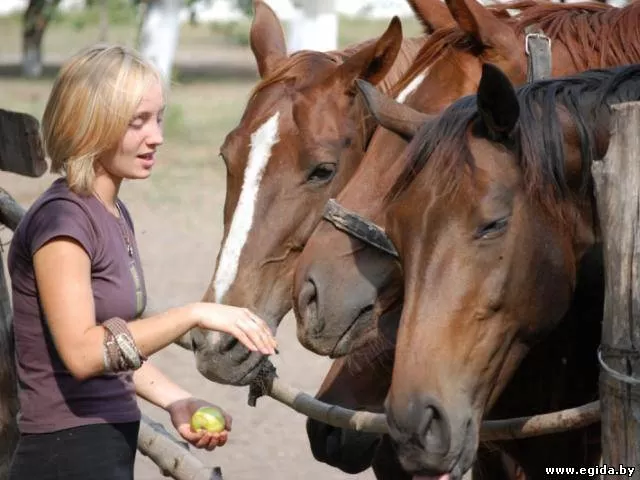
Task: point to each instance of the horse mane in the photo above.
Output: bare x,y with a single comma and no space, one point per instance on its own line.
443,40
538,140
595,34
298,66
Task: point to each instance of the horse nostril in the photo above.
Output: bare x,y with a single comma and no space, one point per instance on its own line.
308,305
425,424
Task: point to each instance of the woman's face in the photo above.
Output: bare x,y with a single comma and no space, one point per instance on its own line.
136,153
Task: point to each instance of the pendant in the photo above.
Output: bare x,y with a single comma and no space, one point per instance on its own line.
130,250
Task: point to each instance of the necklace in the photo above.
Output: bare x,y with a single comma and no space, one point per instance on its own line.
125,231
121,223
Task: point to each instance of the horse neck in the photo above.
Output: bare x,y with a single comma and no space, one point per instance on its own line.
592,115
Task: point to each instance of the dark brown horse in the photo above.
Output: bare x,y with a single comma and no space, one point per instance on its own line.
300,139
342,285
492,218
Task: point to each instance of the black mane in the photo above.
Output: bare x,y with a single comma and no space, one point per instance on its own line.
538,138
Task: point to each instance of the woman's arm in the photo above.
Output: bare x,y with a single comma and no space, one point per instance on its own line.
63,277
152,385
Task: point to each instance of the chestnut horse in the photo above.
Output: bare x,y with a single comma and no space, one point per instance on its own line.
300,139
491,218
558,23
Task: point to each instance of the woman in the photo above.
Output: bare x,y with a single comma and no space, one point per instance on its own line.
78,287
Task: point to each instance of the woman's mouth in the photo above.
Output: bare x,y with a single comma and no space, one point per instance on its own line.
148,159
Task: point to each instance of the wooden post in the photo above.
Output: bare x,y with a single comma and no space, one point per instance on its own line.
617,187
8,384
21,150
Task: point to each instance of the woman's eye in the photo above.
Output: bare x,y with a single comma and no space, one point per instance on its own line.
136,123
493,229
322,172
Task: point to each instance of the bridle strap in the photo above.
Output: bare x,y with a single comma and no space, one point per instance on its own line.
358,227
537,46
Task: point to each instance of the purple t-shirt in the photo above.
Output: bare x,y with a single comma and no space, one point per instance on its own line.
50,398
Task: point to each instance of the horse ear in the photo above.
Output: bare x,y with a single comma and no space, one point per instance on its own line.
394,116
497,102
432,14
266,38
483,25
374,61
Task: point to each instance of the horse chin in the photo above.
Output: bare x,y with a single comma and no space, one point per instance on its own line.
357,335
423,466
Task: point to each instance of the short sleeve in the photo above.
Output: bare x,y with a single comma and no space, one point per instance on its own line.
61,218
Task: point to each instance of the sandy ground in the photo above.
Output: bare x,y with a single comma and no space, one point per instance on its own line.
179,242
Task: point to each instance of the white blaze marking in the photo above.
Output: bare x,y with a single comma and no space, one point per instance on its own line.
413,85
262,140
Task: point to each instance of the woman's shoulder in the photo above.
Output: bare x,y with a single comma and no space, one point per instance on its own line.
59,212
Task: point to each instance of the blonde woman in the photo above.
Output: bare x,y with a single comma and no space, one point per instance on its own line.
78,286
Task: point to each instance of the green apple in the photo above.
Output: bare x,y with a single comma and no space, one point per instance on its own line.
209,419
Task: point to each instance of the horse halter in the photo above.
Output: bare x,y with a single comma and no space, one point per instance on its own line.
537,46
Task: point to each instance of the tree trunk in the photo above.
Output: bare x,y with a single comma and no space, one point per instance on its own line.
36,19
159,32
103,33
315,27
617,188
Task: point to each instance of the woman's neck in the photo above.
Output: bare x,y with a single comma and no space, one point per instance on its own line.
106,190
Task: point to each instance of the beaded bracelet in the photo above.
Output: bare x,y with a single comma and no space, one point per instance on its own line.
120,350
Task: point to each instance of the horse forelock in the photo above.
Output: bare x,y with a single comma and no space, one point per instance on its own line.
300,69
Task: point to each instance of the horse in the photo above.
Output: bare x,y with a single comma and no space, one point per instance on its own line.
302,134
492,217
342,286
324,132
366,191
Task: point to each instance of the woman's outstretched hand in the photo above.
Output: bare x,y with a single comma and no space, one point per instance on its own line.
247,327
181,412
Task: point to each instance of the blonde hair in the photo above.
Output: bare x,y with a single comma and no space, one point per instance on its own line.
90,106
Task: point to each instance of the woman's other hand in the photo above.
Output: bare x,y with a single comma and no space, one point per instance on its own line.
181,412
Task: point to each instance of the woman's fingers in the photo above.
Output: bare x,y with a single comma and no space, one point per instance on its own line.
265,328
256,334
243,337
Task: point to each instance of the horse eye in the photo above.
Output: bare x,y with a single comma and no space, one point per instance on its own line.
493,229
322,172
